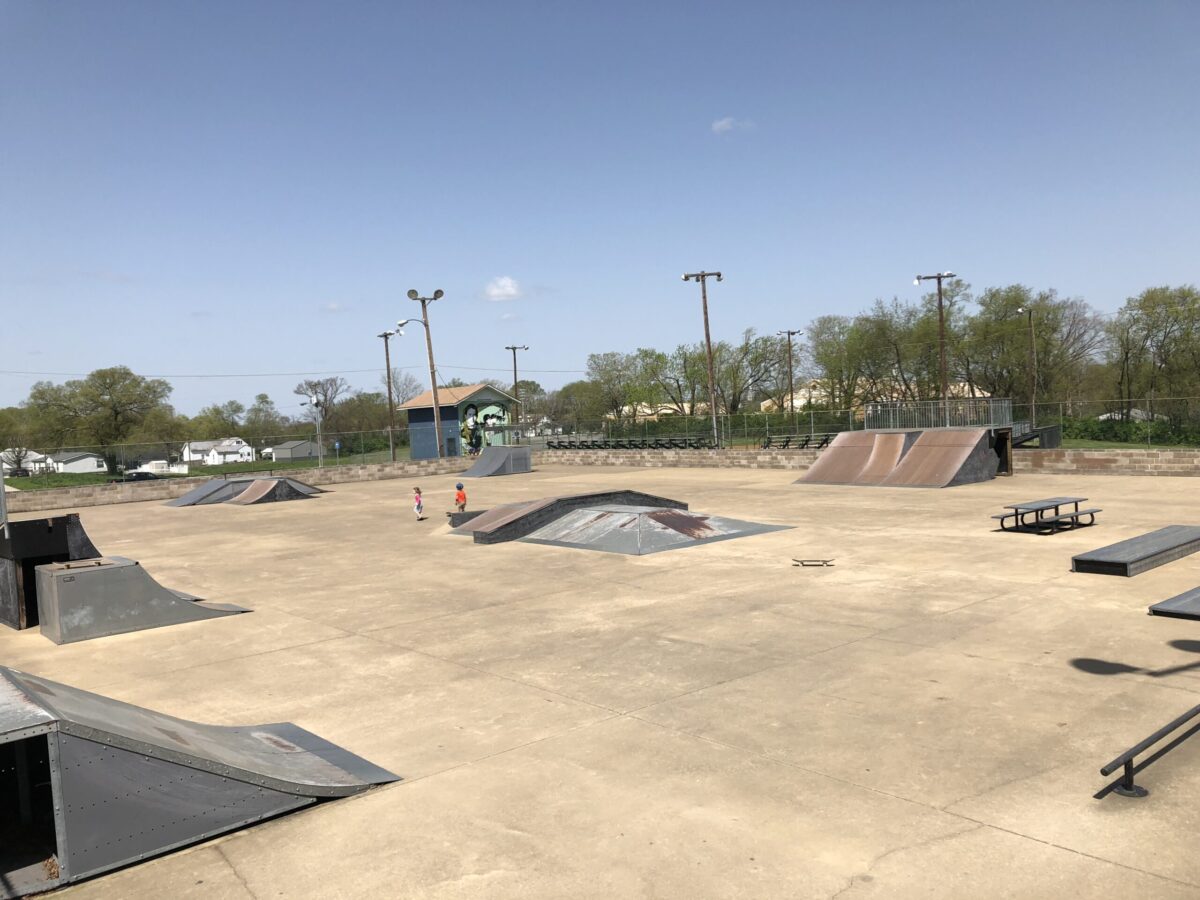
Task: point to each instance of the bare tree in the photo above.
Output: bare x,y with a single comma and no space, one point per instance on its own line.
405,385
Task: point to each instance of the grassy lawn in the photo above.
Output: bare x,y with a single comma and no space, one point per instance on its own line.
41,482
1085,444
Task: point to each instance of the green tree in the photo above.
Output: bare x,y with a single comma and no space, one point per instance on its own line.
102,409
218,420
263,419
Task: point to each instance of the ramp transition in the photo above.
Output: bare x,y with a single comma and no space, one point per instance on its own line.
32,543
90,784
943,457
86,599
246,491
515,460
1140,554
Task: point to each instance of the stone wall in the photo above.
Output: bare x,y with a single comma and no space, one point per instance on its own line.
1107,462
682,459
169,488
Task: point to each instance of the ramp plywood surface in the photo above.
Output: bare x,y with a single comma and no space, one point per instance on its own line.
939,458
843,460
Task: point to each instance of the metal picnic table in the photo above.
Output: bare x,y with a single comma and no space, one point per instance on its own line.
1046,514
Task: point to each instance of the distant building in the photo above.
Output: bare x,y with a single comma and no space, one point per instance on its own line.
478,410
218,453
289,450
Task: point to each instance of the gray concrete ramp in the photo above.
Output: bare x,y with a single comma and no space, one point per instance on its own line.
92,783
513,460
78,601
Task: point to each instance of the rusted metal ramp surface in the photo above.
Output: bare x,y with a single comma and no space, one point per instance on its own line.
517,520
86,599
515,460
29,544
639,530
942,457
246,491
89,783
945,458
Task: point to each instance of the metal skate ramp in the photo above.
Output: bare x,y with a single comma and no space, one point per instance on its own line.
516,520
78,601
246,491
515,460
90,783
943,457
29,544
640,530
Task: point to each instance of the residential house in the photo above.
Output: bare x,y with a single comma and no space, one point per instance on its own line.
77,462
23,458
218,453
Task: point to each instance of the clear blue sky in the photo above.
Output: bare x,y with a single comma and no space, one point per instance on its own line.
217,188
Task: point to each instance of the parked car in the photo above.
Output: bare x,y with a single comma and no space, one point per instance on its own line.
18,473
134,476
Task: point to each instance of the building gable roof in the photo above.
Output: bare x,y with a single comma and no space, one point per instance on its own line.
452,396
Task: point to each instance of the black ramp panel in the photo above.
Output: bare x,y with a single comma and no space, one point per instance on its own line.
121,806
1139,554
1183,606
78,601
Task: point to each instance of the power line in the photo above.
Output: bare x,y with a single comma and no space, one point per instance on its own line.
292,374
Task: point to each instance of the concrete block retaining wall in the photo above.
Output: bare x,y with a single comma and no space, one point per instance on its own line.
1025,462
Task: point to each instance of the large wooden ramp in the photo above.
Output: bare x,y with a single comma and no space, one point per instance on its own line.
945,458
843,460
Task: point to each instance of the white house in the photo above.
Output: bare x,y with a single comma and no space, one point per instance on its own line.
23,458
218,453
77,462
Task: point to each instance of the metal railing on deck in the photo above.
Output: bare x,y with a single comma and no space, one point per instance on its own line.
965,412
1125,787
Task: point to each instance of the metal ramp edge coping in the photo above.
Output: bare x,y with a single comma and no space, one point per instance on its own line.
516,520
1181,606
1140,554
236,752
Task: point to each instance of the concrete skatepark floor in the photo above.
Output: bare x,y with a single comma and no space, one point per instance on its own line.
706,723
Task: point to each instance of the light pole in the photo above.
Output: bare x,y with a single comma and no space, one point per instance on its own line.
387,358
424,320
1032,367
940,276
516,390
703,277
791,387
315,402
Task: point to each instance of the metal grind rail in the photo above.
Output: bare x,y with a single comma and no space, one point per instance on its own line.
1125,787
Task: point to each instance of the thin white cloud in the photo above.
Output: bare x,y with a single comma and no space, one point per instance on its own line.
729,123
509,317
502,287
332,307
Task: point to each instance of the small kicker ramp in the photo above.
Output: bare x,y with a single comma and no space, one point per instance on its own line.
514,460
29,544
245,491
1140,554
78,601
639,530
89,783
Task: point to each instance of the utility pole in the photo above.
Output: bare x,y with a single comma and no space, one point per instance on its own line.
1032,368
424,320
387,357
791,387
940,276
318,406
703,277
516,390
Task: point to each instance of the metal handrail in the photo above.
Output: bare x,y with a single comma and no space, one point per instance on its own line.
1126,787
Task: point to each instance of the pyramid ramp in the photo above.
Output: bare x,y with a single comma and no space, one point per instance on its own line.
514,460
640,530
271,490
29,544
218,490
78,601
91,784
517,520
946,457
